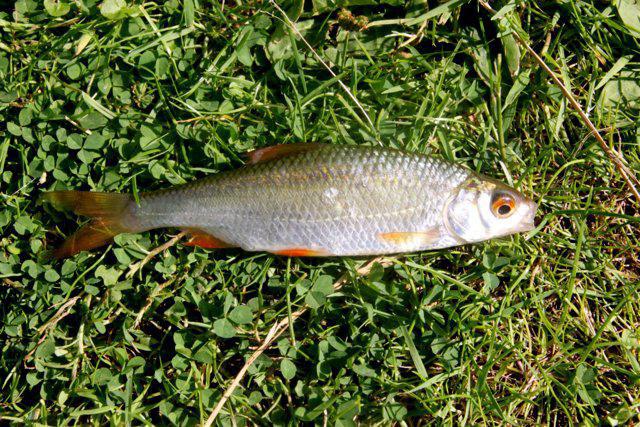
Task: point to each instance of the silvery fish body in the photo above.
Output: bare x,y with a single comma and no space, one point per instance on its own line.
318,200
329,200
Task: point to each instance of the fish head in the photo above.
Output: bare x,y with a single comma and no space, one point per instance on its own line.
482,208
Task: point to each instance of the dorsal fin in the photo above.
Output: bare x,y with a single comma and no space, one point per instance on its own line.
279,151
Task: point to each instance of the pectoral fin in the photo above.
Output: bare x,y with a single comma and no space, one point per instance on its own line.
404,238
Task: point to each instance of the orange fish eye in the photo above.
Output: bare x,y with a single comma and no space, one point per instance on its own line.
502,205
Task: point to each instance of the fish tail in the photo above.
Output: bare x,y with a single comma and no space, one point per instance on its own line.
109,214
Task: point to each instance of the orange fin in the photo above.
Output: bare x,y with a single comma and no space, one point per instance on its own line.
301,252
107,211
96,233
205,240
411,237
262,155
88,203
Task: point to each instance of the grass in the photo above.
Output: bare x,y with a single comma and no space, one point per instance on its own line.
537,328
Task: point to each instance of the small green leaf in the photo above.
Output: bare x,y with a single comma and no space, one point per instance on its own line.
315,299
254,398
74,71
108,275
279,46
68,267
5,217
87,157
621,92
61,135
376,273
25,116
241,315
147,59
57,8
364,371
188,12
511,53
491,281
100,327
74,141
520,84
31,268
162,67
114,9
204,355
51,275
584,375
14,129
505,22
323,285
133,363
62,397
93,120
223,328
7,97
83,41
101,376
46,349
32,378
629,11
288,369
394,412
94,141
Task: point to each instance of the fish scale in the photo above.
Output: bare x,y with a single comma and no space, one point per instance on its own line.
333,199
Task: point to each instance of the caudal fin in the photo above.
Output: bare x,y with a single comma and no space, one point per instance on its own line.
108,213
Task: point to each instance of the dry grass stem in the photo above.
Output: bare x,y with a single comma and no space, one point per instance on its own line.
138,265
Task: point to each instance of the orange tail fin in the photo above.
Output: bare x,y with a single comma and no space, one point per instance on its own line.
107,211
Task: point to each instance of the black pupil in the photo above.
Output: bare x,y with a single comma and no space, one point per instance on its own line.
504,209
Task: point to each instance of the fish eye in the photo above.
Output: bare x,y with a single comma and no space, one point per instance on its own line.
502,205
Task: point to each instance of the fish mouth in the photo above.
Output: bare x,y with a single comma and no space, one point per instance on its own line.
528,222
528,226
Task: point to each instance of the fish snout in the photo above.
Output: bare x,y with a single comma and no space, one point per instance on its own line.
528,220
